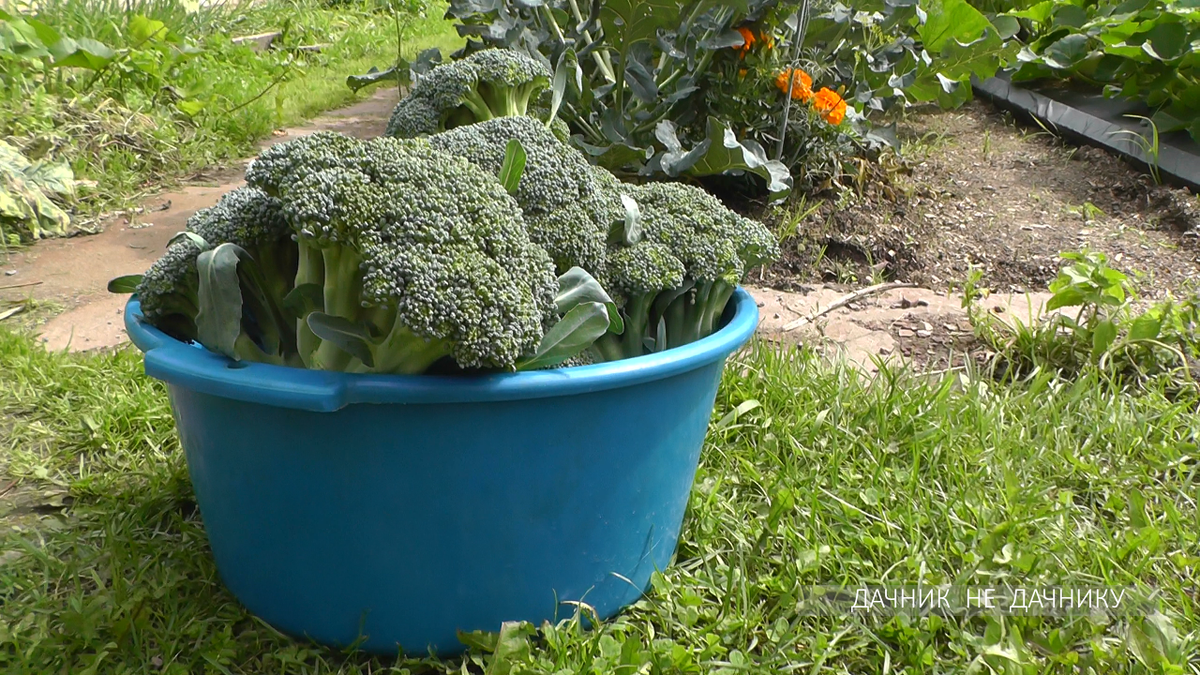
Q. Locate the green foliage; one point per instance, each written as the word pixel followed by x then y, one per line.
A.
pixel 685 90
pixel 158 112
pixel 1095 319
pixel 811 475
pixel 908 52
pixel 625 68
pixel 1142 51
pixel 28 191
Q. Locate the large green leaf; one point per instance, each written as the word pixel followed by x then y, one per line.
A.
pixel 513 166
pixel 1166 41
pixel 82 53
pixel 1038 14
pixel 1067 52
pixel 398 74
pixel 575 332
pixel 146 30
pixel 219 311
pixel 726 154
pixel 628 21
pixel 26 191
pixel 125 285
pixel 951 20
pixel 576 286
pixel 345 335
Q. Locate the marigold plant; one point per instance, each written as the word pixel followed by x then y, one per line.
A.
pixel 801 85
pixel 830 105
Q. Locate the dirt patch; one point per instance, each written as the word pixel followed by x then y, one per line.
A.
pixel 977 190
pixel 922 328
pixel 73 273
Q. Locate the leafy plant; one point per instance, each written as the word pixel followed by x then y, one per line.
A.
pixel 28 194
pixel 1141 50
pixel 685 89
pixel 1107 327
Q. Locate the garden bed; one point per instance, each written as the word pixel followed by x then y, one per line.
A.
pixel 977 189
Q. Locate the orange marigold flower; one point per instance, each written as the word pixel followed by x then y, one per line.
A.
pixel 742 72
pixel 768 42
pixel 801 85
pixel 747 40
pixel 831 106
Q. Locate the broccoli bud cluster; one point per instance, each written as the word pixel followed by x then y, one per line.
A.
pixel 487 84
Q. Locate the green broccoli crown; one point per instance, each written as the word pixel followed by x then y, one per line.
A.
pixel 281 164
pixel 510 69
pixel 430 237
pixel 246 216
pixel 712 242
pixel 168 290
pixel 487 84
pixel 569 205
pixel 646 267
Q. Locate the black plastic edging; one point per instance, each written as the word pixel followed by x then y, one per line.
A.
pixel 1177 163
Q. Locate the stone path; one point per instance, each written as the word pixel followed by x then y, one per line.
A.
pixel 903 323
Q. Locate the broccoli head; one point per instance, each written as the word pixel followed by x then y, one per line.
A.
pixel 247 217
pixel 487 84
pixel 715 245
pixel 418 255
pixel 569 205
pixel 169 290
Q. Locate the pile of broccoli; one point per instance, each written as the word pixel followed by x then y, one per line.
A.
pixel 433 254
pixel 670 254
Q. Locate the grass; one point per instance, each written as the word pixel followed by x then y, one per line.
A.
pixel 822 478
pixel 127 135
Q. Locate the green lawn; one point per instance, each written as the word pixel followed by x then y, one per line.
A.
pixel 823 479
pixel 125 130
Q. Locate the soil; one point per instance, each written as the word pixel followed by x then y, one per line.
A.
pixel 978 190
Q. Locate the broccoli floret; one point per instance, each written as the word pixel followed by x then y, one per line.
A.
pixel 637 275
pixel 487 84
pixel 282 163
pixel 169 290
pixel 715 245
pixel 569 205
pixel 422 253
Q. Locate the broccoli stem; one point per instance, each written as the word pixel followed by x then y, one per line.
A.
pixel 675 317
pixel 343 297
pixel 403 352
pixel 717 300
pixel 501 101
pixel 629 344
pixel 311 270
pixel 478 106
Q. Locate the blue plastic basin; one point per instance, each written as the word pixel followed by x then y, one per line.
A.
pixel 400 509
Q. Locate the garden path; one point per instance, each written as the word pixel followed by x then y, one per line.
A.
pixel 73 273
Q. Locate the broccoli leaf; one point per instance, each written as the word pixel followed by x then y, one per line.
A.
pixel 219 315
pixel 581 327
pixel 125 284
pixel 513 167
pixel 345 335
pixel 577 287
